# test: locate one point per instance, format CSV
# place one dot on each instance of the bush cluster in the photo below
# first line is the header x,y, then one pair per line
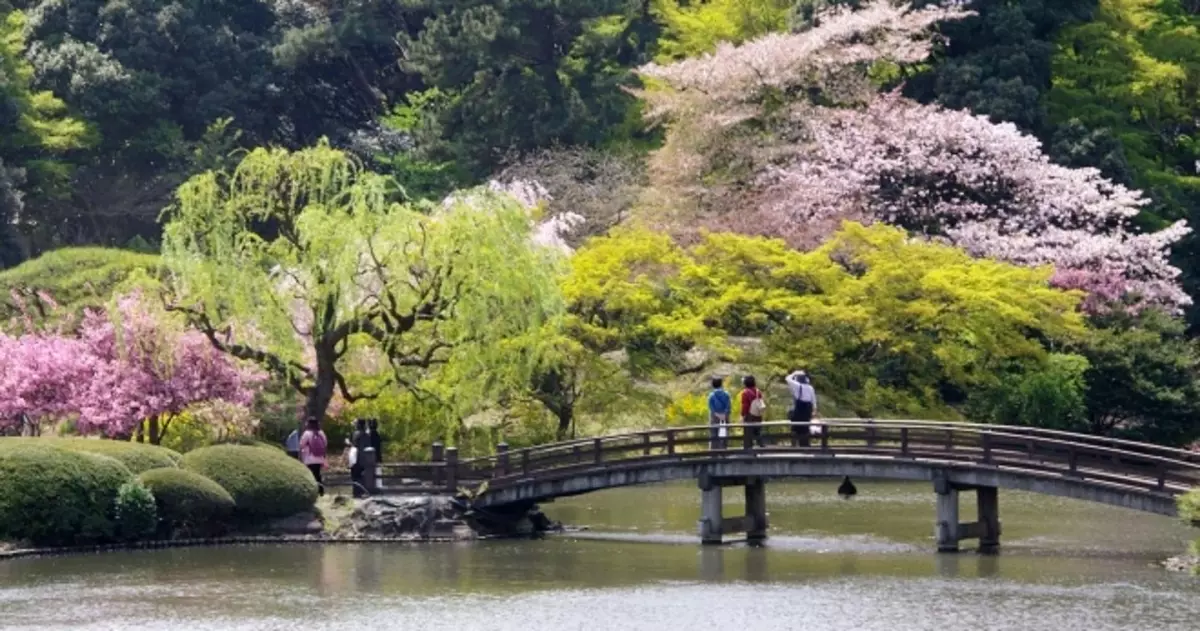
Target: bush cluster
x,y
138,457
51,496
56,492
264,483
188,503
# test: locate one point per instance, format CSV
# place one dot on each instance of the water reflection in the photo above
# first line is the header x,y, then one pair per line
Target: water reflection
x,y
822,568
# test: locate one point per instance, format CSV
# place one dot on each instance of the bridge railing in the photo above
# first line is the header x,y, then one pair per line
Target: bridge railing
x,y
1113,461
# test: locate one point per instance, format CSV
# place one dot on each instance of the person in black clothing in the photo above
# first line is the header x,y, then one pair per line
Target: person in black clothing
x,y
376,440
358,441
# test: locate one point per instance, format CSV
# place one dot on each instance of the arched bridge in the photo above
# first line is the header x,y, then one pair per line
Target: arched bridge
x,y
954,457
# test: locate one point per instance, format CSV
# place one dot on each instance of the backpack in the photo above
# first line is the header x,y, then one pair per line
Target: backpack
x,y
317,445
758,405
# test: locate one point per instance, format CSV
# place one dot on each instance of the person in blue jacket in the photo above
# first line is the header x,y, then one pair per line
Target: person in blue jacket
x,y
720,405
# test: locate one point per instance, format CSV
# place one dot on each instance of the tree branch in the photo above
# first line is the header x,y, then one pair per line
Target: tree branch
x,y
291,371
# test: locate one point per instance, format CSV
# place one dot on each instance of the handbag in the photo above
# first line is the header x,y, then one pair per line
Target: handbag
x,y
758,406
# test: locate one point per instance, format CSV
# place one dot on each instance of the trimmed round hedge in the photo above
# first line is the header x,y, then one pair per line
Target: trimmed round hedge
x,y
52,496
189,504
264,483
138,457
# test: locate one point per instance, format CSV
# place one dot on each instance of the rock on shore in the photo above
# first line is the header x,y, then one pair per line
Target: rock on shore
x,y
1183,563
437,517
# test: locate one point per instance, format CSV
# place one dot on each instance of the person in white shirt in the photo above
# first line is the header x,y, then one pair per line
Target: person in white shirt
x,y
804,405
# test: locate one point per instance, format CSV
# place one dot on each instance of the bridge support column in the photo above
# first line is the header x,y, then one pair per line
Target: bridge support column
x,y
710,514
988,499
713,525
756,509
946,529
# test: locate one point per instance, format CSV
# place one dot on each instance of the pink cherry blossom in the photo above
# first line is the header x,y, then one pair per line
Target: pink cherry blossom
x,y
787,136
116,372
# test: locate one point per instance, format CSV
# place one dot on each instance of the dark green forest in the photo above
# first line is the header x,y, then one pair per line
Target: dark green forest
x,y
108,106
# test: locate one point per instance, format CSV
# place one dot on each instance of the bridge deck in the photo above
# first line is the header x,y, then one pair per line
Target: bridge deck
x,y
1157,472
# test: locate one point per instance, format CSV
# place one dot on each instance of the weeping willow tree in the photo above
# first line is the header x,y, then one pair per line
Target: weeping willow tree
x,y
309,265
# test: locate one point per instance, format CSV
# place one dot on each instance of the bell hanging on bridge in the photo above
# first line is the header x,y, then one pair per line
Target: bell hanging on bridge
x,y
847,488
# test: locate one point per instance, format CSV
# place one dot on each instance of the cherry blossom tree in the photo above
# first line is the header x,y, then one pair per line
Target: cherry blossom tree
x,y
42,376
788,136
118,370
145,369
985,187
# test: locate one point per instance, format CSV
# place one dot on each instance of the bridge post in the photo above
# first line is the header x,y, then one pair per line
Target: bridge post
x,y
711,517
452,469
437,455
988,500
946,527
756,509
501,459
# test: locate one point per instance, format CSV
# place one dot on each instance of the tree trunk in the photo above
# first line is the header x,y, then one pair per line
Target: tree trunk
x,y
566,421
319,396
155,434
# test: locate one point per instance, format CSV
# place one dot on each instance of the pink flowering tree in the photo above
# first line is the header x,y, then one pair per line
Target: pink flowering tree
x,y
115,372
147,370
42,377
787,136
985,187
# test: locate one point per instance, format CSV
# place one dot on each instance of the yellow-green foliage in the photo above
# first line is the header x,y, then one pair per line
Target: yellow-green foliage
x,y
693,28
688,410
885,322
624,290
431,289
73,278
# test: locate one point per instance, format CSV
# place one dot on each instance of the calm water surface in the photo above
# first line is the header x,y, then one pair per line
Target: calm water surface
x,y
858,565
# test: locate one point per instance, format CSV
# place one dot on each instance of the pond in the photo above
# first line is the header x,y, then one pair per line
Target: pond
x,y
862,564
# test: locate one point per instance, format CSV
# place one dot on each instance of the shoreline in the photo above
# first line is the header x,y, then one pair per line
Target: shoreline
x,y
20,553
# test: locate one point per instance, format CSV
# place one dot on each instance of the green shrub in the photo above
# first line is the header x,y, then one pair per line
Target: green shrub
x,y
52,496
137,516
1189,506
138,457
188,503
264,483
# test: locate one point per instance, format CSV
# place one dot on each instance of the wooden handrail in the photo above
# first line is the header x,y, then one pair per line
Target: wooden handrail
x,y
1156,468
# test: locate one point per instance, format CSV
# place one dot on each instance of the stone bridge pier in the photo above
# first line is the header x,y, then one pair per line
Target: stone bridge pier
x,y
948,530
713,525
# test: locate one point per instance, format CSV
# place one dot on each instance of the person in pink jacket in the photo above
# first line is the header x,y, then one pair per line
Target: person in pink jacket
x,y
313,447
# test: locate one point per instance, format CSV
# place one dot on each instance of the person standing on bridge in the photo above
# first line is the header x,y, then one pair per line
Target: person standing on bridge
x,y
754,407
720,406
804,405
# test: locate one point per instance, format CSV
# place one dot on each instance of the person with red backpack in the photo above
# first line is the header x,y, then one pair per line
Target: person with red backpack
x,y
313,445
